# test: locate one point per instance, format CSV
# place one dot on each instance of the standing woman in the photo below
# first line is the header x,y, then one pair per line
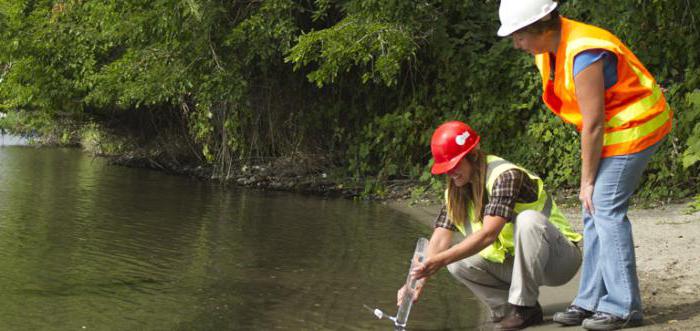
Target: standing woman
x,y
592,80
519,239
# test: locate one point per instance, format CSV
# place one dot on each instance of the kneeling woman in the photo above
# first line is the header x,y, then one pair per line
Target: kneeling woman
x,y
519,239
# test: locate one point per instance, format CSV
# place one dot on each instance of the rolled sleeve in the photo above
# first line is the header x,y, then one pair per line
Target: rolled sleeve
x,y
443,221
504,194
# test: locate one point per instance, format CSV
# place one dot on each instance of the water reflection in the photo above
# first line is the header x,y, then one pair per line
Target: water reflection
x,y
12,140
87,245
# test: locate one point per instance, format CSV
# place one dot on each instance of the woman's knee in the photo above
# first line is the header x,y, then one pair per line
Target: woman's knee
x,y
465,270
453,268
530,221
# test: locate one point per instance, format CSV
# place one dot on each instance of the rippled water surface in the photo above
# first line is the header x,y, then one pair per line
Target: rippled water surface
x,y
87,245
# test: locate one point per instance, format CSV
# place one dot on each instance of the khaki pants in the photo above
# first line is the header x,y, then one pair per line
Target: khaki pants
x,y
543,256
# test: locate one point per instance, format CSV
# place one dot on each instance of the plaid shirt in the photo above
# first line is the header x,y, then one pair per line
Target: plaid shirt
x,y
510,187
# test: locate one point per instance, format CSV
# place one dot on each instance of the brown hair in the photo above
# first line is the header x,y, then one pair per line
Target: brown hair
x,y
458,197
551,22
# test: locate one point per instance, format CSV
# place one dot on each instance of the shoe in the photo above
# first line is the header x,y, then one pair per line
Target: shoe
x,y
605,321
574,315
498,315
521,317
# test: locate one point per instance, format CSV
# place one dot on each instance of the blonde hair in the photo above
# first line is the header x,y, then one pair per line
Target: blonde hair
x,y
459,197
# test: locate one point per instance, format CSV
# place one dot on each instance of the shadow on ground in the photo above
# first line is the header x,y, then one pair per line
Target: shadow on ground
x,y
666,314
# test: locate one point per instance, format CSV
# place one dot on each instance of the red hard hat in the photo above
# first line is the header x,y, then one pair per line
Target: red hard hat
x,y
450,143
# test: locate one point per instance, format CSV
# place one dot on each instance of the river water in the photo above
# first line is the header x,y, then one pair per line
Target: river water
x,y
85,245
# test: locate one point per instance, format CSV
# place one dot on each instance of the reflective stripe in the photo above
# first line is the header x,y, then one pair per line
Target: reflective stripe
x,y
547,210
544,69
595,42
637,132
641,106
539,60
636,109
491,166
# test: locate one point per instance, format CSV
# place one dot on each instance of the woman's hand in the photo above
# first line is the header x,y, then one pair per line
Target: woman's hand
x,y
416,293
426,269
586,197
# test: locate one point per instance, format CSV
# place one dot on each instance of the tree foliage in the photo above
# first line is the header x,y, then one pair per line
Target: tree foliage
x,y
362,81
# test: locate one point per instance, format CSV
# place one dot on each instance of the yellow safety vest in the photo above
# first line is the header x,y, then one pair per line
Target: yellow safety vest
x,y
504,244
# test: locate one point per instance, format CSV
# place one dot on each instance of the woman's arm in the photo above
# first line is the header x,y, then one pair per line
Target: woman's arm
x,y
439,242
471,245
590,95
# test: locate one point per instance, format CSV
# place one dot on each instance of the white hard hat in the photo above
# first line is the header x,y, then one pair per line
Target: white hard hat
x,y
517,14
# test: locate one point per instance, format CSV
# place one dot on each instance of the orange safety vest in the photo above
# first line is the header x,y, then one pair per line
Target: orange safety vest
x,y
636,113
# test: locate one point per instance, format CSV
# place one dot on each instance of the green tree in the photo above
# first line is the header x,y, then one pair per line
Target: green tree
x,y
361,82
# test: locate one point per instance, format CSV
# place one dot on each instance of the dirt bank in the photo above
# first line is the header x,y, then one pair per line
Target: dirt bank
x,y
668,261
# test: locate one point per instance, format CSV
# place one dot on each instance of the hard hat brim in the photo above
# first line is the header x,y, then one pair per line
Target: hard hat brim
x,y
445,167
505,31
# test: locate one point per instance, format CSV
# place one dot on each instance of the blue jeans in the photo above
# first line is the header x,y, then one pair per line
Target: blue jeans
x,y
609,275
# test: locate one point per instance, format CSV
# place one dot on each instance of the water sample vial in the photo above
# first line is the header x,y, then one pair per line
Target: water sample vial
x,y
410,288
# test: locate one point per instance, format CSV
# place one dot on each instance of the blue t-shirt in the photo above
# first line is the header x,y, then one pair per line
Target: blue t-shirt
x,y
586,58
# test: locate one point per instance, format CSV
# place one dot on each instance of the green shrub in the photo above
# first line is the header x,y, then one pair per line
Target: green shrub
x,y
361,81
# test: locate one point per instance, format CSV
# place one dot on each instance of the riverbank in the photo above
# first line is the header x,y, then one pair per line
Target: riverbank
x,y
300,174
668,255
